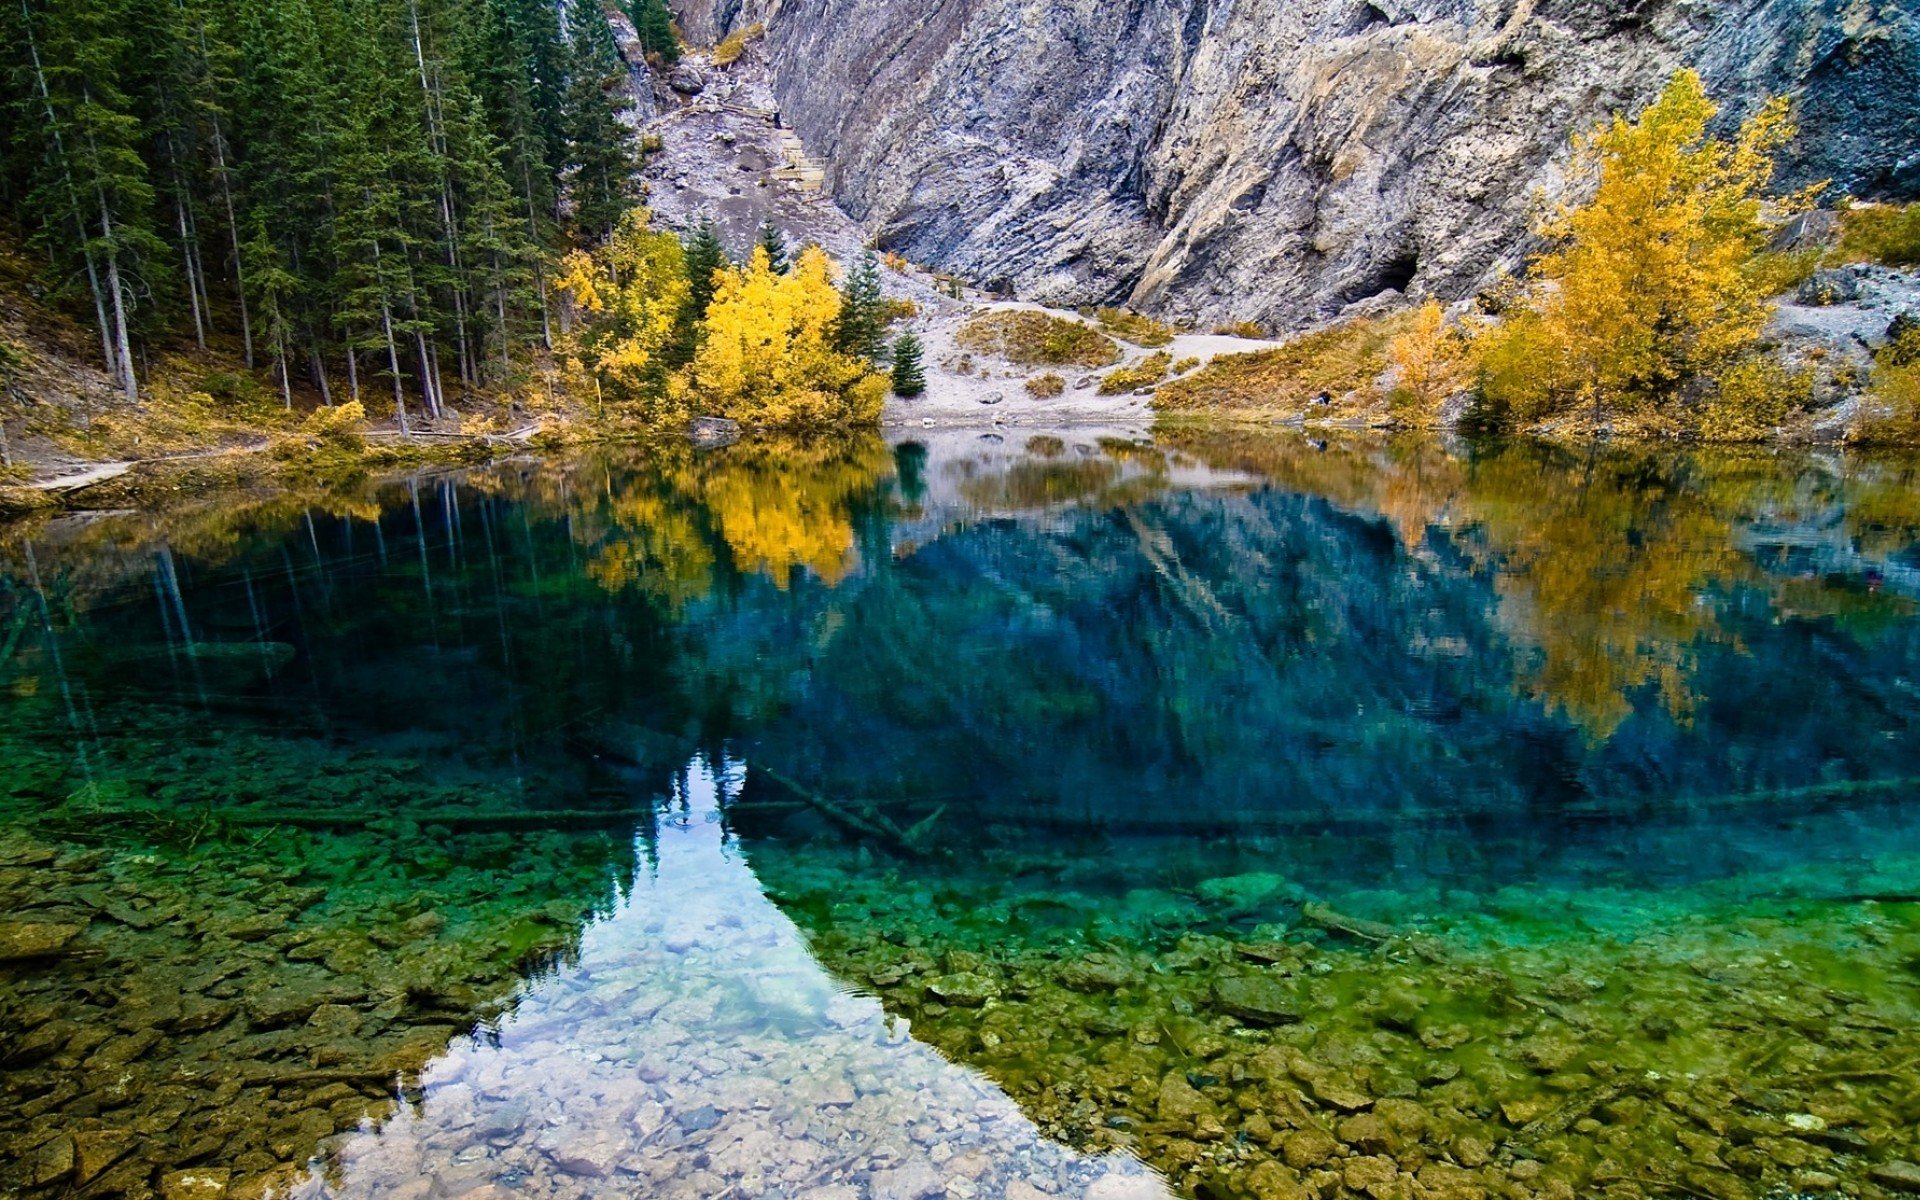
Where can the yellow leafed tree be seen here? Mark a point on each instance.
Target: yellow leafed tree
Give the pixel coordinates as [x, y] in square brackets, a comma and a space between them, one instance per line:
[769, 357]
[1645, 299]
[627, 296]
[1431, 361]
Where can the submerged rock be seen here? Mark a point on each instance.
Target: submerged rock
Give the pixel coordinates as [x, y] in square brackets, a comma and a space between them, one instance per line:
[963, 989]
[1095, 974]
[1256, 1000]
[1898, 1176]
[23, 941]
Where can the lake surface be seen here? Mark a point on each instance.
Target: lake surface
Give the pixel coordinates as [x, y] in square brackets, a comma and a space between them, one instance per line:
[994, 814]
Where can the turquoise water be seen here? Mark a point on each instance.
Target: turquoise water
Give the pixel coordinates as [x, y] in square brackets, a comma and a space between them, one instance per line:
[1218, 815]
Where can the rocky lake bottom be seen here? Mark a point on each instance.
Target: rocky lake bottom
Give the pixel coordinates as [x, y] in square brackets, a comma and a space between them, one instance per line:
[1210, 819]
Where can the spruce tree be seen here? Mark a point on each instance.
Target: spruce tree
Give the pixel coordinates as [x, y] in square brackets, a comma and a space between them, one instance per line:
[601, 151]
[863, 317]
[654, 23]
[704, 256]
[909, 374]
[775, 244]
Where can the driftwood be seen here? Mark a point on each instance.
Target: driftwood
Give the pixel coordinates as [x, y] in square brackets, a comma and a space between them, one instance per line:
[1562, 1119]
[247, 818]
[862, 819]
[1354, 927]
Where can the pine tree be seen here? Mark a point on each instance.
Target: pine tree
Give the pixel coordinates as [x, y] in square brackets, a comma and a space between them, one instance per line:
[863, 316]
[705, 255]
[655, 25]
[775, 244]
[601, 150]
[909, 375]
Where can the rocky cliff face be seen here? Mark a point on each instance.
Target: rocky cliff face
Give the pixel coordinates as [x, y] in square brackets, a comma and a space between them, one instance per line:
[1218, 159]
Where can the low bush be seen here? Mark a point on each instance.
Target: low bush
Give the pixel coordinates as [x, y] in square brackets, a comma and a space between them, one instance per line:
[1333, 362]
[1037, 339]
[735, 44]
[1143, 374]
[1133, 327]
[1750, 400]
[1895, 386]
[1046, 387]
[1879, 233]
[1242, 329]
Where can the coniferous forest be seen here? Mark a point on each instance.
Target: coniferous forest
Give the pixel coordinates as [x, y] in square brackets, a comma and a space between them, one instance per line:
[358, 195]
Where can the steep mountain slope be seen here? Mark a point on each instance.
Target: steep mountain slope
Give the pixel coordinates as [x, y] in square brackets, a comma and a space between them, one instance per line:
[1218, 159]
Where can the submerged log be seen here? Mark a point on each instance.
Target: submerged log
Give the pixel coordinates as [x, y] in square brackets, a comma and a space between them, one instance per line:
[860, 819]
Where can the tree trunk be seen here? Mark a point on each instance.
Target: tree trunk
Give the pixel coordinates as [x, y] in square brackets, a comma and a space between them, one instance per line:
[73, 196]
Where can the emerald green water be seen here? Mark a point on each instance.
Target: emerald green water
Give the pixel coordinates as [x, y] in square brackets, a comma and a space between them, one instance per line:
[998, 814]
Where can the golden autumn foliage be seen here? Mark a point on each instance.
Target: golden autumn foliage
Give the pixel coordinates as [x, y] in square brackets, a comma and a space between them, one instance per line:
[626, 297]
[1604, 564]
[1644, 301]
[1432, 362]
[774, 508]
[770, 358]
[767, 352]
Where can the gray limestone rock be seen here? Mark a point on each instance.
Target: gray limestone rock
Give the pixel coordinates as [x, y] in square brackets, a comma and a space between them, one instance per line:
[1282, 162]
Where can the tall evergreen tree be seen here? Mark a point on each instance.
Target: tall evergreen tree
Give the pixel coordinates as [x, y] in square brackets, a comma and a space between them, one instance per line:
[654, 23]
[909, 374]
[863, 316]
[357, 184]
[601, 150]
[705, 255]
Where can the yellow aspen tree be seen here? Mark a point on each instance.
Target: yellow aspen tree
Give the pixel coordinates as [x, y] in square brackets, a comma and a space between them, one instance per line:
[627, 297]
[1644, 298]
[1431, 362]
[770, 356]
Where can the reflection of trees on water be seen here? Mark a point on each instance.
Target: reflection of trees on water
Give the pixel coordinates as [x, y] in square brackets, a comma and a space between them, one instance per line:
[1614, 568]
[1526, 629]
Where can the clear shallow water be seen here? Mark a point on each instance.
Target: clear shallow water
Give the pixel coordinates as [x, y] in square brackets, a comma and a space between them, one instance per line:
[1264, 813]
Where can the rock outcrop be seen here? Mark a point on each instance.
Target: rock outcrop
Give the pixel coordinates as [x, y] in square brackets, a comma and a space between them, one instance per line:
[1218, 160]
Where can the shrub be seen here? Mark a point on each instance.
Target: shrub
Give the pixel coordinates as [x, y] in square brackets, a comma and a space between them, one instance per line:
[735, 44]
[1750, 399]
[1045, 445]
[338, 425]
[1133, 327]
[1881, 233]
[1896, 385]
[1145, 373]
[1046, 387]
[236, 391]
[1337, 361]
[1185, 365]
[1777, 272]
[1037, 339]
[896, 309]
[1646, 293]
[1242, 329]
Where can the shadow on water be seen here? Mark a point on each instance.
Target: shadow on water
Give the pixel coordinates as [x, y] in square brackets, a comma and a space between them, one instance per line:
[1286, 813]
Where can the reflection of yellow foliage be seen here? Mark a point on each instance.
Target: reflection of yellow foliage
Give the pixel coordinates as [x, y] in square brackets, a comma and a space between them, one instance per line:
[1646, 290]
[1606, 570]
[769, 357]
[775, 507]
